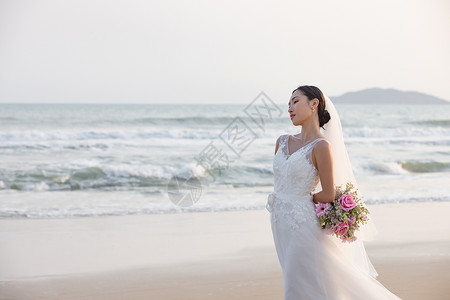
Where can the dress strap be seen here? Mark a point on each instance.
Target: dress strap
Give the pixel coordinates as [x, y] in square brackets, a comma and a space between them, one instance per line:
[309, 149]
[317, 140]
[284, 139]
[311, 145]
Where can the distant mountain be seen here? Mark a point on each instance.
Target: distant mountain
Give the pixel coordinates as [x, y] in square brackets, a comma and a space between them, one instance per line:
[387, 96]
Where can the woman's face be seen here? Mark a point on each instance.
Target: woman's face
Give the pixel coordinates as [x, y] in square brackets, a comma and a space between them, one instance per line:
[300, 108]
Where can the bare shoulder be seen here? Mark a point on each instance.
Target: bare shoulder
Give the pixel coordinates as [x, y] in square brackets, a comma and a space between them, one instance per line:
[322, 155]
[323, 144]
[322, 147]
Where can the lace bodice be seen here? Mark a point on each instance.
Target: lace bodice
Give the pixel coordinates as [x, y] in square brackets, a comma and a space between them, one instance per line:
[295, 177]
[295, 173]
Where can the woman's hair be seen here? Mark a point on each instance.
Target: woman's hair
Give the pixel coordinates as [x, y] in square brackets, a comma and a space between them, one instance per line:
[312, 92]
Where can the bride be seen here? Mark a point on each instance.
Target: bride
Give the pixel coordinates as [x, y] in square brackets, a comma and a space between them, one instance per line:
[307, 166]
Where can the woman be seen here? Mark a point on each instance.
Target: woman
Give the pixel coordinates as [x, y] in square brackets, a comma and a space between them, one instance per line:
[314, 265]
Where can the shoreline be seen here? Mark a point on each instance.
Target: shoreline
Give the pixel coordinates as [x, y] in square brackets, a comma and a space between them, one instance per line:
[207, 255]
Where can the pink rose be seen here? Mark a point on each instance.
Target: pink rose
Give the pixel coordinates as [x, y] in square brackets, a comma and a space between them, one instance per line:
[347, 203]
[322, 209]
[341, 228]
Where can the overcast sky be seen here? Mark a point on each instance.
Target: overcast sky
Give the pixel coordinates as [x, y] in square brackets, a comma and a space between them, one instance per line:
[219, 51]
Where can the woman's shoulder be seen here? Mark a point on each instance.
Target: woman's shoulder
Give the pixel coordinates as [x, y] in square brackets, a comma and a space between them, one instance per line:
[322, 144]
[322, 140]
[280, 140]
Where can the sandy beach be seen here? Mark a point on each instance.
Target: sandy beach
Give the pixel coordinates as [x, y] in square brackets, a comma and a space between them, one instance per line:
[214, 255]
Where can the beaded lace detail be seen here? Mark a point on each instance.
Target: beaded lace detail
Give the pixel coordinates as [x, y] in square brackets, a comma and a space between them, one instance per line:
[295, 177]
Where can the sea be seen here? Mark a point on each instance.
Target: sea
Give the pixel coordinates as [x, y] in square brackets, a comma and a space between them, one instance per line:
[84, 160]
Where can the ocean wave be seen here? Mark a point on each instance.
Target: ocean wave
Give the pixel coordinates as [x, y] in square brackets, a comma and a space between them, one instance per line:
[92, 175]
[425, 166]
[98, 137]
[82, 178]
[52, 146]
[402, 133]
[400, 168]
[375, 168]
[130, 177]
[444, 123]
[2, 119]
[193, 121]
[40, 136]
[405, 199]
[42, 213]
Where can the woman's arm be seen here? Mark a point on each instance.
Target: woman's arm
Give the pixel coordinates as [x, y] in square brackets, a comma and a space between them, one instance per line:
[323, 159]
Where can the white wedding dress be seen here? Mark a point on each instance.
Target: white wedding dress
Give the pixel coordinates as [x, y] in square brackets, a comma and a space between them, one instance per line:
[313, 266]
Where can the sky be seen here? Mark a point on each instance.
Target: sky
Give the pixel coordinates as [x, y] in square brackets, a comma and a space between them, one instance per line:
[106, 51]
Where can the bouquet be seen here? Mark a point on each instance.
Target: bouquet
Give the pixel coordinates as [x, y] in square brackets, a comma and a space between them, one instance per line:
[344, 216]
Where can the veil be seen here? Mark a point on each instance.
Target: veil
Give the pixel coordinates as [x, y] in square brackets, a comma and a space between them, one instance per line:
[343, 173]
